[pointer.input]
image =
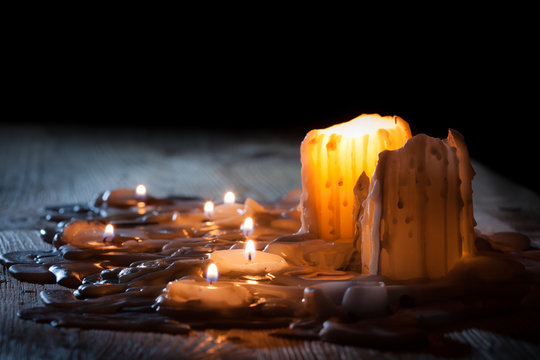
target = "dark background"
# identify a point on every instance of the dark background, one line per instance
(483, 84)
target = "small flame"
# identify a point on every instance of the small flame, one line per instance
(209, 209)
(212, 274)
(249, 251)
(108, 234)
(140, 192)
(229, 198)
(247, 226)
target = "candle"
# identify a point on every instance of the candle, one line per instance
(417, 218)
(190, 294)
(332, 161)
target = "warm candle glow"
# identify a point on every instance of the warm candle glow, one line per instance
(247, 226)
(140, 192)
(108, 234)
(332, 161)
(249, 251)
(229, 198)
(208, 209)
(212, 274)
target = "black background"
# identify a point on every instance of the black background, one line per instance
(482, 83)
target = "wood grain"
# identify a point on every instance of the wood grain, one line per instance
(42, 166)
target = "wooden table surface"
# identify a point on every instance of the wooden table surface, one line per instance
(40, 166)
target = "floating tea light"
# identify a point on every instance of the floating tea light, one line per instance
(190, 294)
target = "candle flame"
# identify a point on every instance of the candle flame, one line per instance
(249, 251)
(108, 234)
(212, 274)
(229, 198)
(247, 226)
(140, 192)
(208, 209)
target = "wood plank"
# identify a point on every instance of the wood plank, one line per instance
(42, 166)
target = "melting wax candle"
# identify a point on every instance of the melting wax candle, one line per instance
(189, 294)
(333, 160)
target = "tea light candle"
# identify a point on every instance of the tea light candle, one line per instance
(190, 294)
(248, 261)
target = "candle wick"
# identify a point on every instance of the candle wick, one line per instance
(249, 257)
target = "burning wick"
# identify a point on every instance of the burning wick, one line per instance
(140, 193)
(247, 226)
(212, 274)
(249, 251)
(209, 209)
(229, 198)
(108, 234)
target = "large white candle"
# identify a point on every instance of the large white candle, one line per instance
(332, 161)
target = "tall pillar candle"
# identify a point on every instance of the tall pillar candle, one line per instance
(417, 220)
(332, 161)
